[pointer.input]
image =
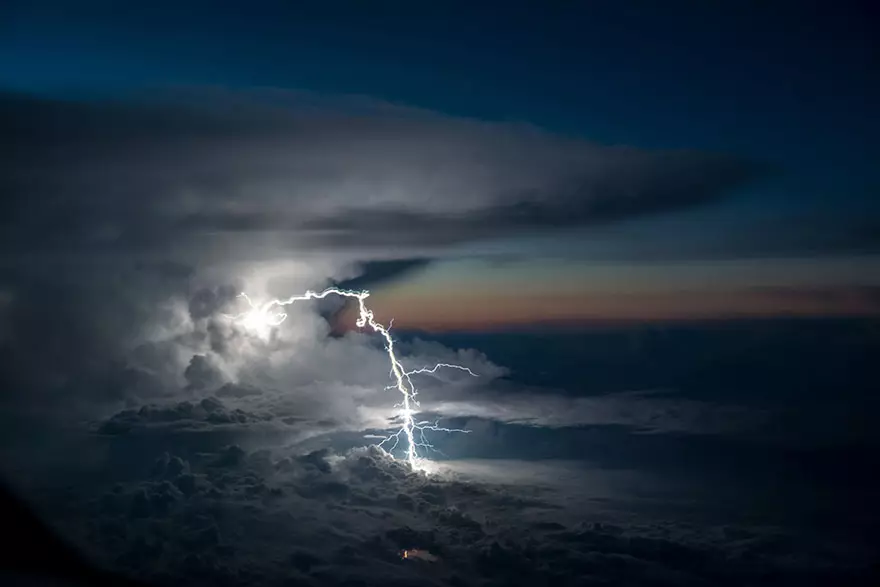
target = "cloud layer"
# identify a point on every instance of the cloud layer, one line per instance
(290, 171)
(233, 517)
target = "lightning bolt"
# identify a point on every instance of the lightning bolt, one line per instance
(262, 317)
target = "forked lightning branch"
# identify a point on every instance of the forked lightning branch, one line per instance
(261, 317)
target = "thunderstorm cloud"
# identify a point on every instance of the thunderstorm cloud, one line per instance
(211, 456)
(129, 225)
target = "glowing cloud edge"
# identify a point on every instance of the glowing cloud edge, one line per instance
(264, 315)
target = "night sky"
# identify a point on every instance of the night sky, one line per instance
(652, 229)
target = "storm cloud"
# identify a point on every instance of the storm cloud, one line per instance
(187, 173)
(130, 224)
(235, 517)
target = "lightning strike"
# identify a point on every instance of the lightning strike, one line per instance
(261, 318)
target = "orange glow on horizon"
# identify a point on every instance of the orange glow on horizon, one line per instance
(426, 310)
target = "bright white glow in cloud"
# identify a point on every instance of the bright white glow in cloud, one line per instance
(261, 318)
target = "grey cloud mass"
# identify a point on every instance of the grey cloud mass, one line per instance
(280, 171)
(238, 517)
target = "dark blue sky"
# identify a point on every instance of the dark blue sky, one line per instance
(794, 82)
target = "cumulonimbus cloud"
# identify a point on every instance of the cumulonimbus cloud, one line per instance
(176, 186)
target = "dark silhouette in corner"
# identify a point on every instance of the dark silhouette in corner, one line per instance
(35, 555)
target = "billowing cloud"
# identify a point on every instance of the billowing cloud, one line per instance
(128, 226)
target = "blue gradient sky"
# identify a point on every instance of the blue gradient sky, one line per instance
(792, 86)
